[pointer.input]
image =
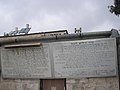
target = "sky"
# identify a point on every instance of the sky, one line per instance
(52, 15)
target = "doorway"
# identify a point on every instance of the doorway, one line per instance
(53, 84)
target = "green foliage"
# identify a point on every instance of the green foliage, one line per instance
(115, 8)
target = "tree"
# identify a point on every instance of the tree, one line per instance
(115, 8)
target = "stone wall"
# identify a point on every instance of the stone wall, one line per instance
(9, 84)
(110, 83)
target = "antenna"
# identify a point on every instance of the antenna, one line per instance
(78, 30)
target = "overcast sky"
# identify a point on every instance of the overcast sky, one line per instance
(49, 15)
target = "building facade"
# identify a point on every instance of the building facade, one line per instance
(52, 79)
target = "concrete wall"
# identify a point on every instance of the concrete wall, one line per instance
(110, 83)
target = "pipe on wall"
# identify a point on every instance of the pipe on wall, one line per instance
(37, 37)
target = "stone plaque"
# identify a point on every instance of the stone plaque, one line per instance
(26, 62)
(87, 58)
(68, 59)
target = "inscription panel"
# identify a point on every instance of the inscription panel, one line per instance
(68, 59)
(87, 58)
(28, 62)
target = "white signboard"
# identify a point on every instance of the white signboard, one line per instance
(26, 62)
(87, 58)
